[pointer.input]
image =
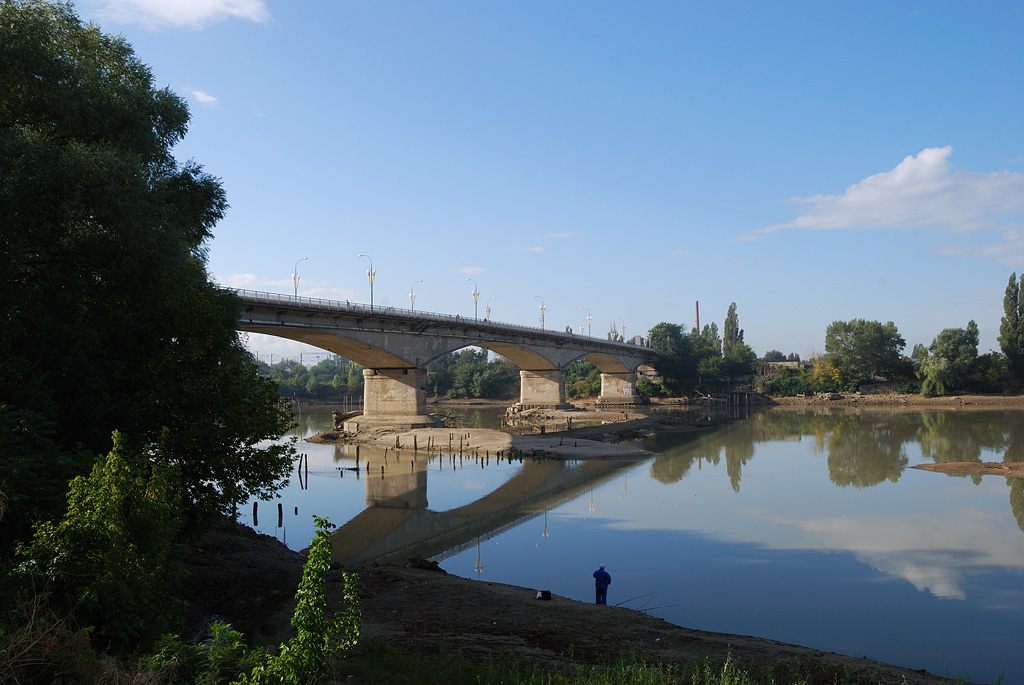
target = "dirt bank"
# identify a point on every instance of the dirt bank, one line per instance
(250, 579)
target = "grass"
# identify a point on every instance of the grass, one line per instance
(379, 662)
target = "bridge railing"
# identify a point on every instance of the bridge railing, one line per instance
(359, 308)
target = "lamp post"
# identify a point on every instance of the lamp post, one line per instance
(623, 328)
(295, 276)
(476, 298)
(412, 294)
(589, 319)
(487, 310)
(370, 275)
(542, 310)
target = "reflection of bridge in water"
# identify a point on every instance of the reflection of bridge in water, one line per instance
(397, 525)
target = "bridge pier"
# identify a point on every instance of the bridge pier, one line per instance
(618, 389)
(393, 397)
(544, 388)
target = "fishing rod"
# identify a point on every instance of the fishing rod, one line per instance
(663, 606)
(632, 598)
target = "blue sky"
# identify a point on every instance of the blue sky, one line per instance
(809, 161)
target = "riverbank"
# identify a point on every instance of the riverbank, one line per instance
(250, 580)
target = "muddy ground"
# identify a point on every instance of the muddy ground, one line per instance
(250, 580)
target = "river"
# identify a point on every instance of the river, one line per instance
(801, 526)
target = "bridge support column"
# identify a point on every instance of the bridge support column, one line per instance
(618, 389)
(394, 398)
(542, 389)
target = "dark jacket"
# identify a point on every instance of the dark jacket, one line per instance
(602, 578)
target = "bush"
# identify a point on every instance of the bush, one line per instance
(112, 559)
(788, 386)
(909, 388)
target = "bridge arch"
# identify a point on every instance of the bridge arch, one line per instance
(395, 346)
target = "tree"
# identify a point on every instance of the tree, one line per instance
(863, 349)
(1011, 328)
(707, 353)
(774, 356)
(947, 364)
(675, 362)
(108, 318)
(731, 332)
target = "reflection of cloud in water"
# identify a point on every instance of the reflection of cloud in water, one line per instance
(475, 485)
(933, 553)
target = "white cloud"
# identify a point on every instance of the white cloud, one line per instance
(203, 98)
(187, 14)
(472, 270)
(920, 192)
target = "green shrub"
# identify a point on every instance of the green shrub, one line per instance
(113, 560)
(788, 386)
(307, 657)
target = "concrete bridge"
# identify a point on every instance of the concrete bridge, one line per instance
(395, 345)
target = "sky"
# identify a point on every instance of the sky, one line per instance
(811, 162)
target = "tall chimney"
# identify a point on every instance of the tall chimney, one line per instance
(696, 307)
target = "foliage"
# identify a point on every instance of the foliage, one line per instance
(218, 660)
(108, 318)
(675, 362)
(582, 379)
(909, 388)
(39, 646)
(1011, 327)
(826, 376)
(789, 386)
(112, 559)
(380, 662)
(645, 386)
(305, 658)
(34, 471)
(773, 356)
(331, 378)
(863, 349)
(946, 364)
(468, 373)
(731, 331)
(986, 375)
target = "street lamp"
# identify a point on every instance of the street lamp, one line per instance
(476, 298)
(295, 276)
(487, 310)
(589, 319)
(542, 310)
(623, 328)
(412, 294)
(370, 275)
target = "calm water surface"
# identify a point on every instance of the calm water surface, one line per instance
(800, 526)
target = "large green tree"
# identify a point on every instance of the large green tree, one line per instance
(1011, 328)
(108, 318)
(946, 365)
(675, 362)
(862, 349)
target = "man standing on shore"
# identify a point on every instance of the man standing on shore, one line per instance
(602, 579)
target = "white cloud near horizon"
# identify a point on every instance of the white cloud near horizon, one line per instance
(472, 270)
(180, 14)
(920, 192)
